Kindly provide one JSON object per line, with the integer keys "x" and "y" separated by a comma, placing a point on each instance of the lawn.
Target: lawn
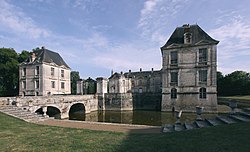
{"x": 17, "y": 135}
{"x": 242, "y": 101}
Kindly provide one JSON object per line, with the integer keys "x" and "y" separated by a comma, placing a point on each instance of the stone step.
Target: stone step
{"x": 239, "y": 118}
{"x": 244, "y": 114}
{"x": 168, "y": 128}
{"x": 213, "y": 122}
{"x": 179, "y": 127}
{"x": 189, "y": 126}
{"x": 225, "y": 119}
{"x": 201, "y": 124}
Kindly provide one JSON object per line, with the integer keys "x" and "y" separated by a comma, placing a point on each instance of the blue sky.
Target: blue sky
{"x": 96, "y": 36}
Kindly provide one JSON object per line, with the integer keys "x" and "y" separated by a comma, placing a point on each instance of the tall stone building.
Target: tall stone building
{"x": 44, "y": 73}
{"x": 189, "y": 70}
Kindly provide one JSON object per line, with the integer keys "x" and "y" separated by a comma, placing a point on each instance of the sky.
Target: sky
{"x": 97, "y": 36}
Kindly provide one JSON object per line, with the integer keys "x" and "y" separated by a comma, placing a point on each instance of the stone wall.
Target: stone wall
{"x": 118, "y": 101}
{"x": 147, "y": 101}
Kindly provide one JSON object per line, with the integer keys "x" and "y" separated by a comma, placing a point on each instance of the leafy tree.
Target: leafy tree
{"x": 74, "y": 77}
{"x": 8, "y": 72}
{"x": 220, "y": 79}
{"x": 23, "y": 56}
{"x": 235, "y": 83}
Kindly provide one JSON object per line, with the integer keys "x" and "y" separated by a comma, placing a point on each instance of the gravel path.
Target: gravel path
{"x": 125, "y": 128}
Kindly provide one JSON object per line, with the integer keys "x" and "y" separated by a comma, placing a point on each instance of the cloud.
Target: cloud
{"x": 234, "y": 37}
{"x": 14, "y": 20}
{"x": 155, "y": 17}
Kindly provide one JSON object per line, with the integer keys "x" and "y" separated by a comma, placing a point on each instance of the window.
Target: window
{"x": 140, "y": 82}
{"x": 37, "y": 70}
{"x": 37, "y": 84}
{"x": 24, "y": 84}
{"x": 174, "y": 57}
{"x": 53, "y": 84}
{"x": 24, "y": 72}
{"x": 203, "y": 56}
{"x": 62, "y": 73}
{"x": 174, "y": 78}
{"x": 203, "y": 93}
{"x": 62, "y": 85}
{"x": 52, "y": 71}
{"x": 140, "y": 90}
{"x": 173, "y": 93}
{"x": 203, "y": 76}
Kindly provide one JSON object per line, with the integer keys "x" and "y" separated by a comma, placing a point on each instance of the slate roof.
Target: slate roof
{"x": 198, "y": 35}
{"x": 135, "y": 74}
{"x": 47, "y": 56}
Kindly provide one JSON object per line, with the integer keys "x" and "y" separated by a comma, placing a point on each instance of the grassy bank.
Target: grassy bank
{"x": 17, "y": 135}
{"x": 242, "y": 101}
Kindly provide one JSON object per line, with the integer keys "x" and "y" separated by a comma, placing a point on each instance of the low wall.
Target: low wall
{"x": 147, "y": 101}
{"x": 118, "y": 101}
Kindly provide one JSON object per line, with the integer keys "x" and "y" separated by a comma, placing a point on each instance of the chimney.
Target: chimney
{"x": 112, "y": 72}
{"x": 187, "y": 34}
{"x": 33, "y": 57}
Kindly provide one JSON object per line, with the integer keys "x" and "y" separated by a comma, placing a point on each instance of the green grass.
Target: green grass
{"x": 242, "y": 101}
{"x": 17, "y": 135}
{"x": 240, "y": 98}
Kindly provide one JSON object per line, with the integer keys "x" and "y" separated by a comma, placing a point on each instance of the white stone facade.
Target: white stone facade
{"x": 39, "y": 78}
{"x": 189, "y": 73}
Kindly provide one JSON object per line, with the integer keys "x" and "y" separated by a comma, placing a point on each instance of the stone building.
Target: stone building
{"x": 189, "y": 70}
{"x": 87, "y": 86}
{"x": 44, "y": 73}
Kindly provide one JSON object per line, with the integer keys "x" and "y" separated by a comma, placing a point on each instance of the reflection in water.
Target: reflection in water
{"x": 154, "y": 118}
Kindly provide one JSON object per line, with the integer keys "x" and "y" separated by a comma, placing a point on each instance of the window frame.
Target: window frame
{"x": 53, "y": 84}
{"x": 52, "y": 71}
{"x": 62, "y": 73}
{"x": 203, "y": 93}
{"x": 62, "y": 85}
{"x": 203, "y": 76}
{"x": 173, "y": 58}
{"x": 173, "y": 93}
{"x": 174, "y": 78}
{"x": 203, "y": 56}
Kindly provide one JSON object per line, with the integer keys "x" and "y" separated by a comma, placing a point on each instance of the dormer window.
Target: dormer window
{"x": 188, "y": 38}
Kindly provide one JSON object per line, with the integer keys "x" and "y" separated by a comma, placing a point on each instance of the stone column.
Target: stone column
{"x": 45, "y": 111}
{"x": 101, "y": 89}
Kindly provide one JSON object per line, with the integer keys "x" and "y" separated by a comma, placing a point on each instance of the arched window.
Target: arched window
{"x": 173, "y": 93}
{"x": 203, "y": 93}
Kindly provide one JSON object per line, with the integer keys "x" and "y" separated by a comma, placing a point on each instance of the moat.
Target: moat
{"x": 139, "y": 117}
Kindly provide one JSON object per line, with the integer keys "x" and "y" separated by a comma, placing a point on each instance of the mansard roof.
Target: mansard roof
{"x": 44, "y": 55}
{"x": 198, "y": 37}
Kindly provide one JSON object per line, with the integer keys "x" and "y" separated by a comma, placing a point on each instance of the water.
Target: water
{"x": 153, "y": 118}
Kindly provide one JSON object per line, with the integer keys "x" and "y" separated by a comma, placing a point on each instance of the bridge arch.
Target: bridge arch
{"x": 52, "y": 111}
{"x": 77, "y": 111}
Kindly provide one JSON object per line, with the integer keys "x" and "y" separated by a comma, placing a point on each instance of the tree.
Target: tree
{"x": 8, "y": 72}
{"x": 220, "y": 79}
{"x": 235, "y": 83}
{"x": 23, "y": 56}
{"x": 74, "y": 77}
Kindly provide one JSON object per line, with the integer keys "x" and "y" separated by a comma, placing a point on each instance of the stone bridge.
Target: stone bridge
{"x": 59, "y": 106}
